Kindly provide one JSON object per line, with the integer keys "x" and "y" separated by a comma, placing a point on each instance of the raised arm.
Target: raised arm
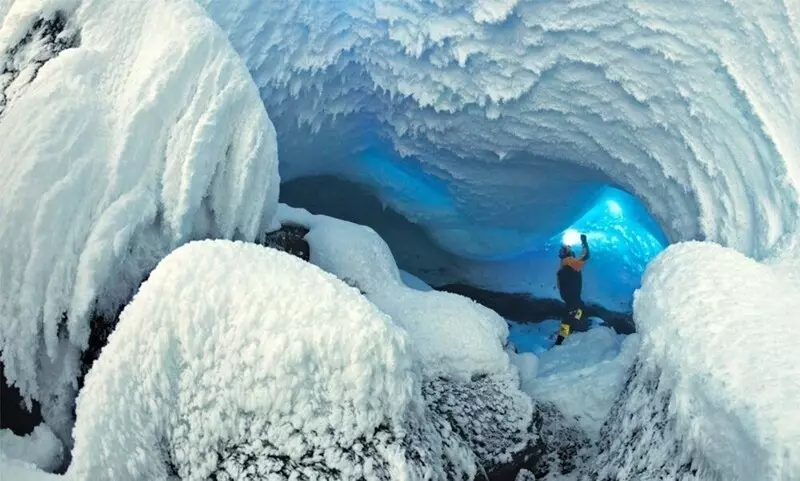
{"x": 585, "y": 251}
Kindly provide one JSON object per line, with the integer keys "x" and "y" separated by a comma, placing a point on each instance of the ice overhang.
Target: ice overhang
{"x": 517, "y": 114}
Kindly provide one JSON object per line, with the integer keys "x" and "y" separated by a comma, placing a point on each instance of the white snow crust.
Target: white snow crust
{"x": 144, "y": 133}
{"x": 16, "y": 470}
{"x": 719, "y": 328}
{"x": 237, "y": 348}
{"x": 40, "y": 448}
{"x": 452, "y": 335}
{"x": 690, "y": 105}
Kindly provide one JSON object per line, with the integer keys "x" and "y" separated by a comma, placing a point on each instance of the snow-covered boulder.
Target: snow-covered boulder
{"x": 452, "y": 336}
{"x": 714, "y": 394}
{"x": 238, "y": 361}
{"x": 504, "y": 428}
{"x": 128, "y": 128}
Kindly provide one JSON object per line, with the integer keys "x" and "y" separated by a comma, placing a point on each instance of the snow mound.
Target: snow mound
{"x": 234, "y": 359}
{"x": 414, "y": 282}
{"x": 714, "y": 396}
{"x": 584, "y": 376}
{"x": 16, "y": 470}
{"x": 505, "y": 119}
{"x": 128, "y": 128}
{"x": 40, "y": 448}
{"x": 452, "y": 335}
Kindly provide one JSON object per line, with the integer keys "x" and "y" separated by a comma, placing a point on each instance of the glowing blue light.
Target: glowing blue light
{"x": 571, "y": 237}
{"x": 614, "y": 208}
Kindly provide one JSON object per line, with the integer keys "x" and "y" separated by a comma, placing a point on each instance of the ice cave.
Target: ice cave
{"x": 318, "y": 240}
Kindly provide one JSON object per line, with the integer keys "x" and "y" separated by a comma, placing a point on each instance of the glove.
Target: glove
{"x": 583, "y": 240}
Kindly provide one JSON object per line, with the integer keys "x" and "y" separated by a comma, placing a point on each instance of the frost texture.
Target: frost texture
{"x": 714, "y": 396}
{"x": 452, "y": 335}
{"x": 517, "y": 111}
{"x": 235, "y": 361}
{"x": 146, "y": 134}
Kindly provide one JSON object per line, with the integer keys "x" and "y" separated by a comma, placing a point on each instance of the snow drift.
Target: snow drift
{"x": 692, "y": 106}
{"x": 232, "y": 350}
{"x": 128, "y": 128}
{"x": 714, "y": 395}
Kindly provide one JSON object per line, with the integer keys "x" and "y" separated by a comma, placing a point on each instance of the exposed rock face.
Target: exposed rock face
{"x": 14, "y": 415}
{"x": 290, "y": 239}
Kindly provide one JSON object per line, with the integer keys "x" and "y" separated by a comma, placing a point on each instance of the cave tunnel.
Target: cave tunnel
{"x": 508, "y": 248}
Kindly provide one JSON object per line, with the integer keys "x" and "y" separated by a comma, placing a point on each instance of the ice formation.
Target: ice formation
{"x": 453, "y": 336}
{"x": 714, "y": 395}
{"x": 232, "y": 351}
{"x": 691, "y": 106}
{"x": 128, "y": 128}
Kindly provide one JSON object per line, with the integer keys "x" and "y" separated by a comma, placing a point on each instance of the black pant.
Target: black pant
{"x": 572, "y": 318}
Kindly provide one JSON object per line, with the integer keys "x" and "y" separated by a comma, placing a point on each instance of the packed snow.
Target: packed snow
{"x": 452, "y": 335}
{"x": 504, "y": 120}
{"x": 40, "y": 448}
{"x": 232, "y": 350}
{"x": 583, "y": 377}
{"x": 128, "y": 128}
{"x": 16, "y": 470}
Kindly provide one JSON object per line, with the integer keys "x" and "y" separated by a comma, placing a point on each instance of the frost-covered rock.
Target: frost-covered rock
{"x": 453, "y": 336}
{"x": 236, "y": 361}
{"x": 128, "y": 128}
{"x": 23, "y": 57}
{"x": 491, "y": 414}
{"x": 714, "y": 394}
{"x": 504, "y": 428}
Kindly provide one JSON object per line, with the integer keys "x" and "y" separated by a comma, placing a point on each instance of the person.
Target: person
{"x": 570, "y": 283}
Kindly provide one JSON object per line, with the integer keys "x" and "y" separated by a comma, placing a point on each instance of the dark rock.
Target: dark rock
{"x": 100, "y": 329}
{"x": 523, "y": 307}
{"x": 290, "y": 239}
{"x": 490, "y": 414}
{"x": 14, "y": 414}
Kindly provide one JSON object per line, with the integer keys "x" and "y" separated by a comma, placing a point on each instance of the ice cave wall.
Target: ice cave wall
{"x": 513, "y": 114}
